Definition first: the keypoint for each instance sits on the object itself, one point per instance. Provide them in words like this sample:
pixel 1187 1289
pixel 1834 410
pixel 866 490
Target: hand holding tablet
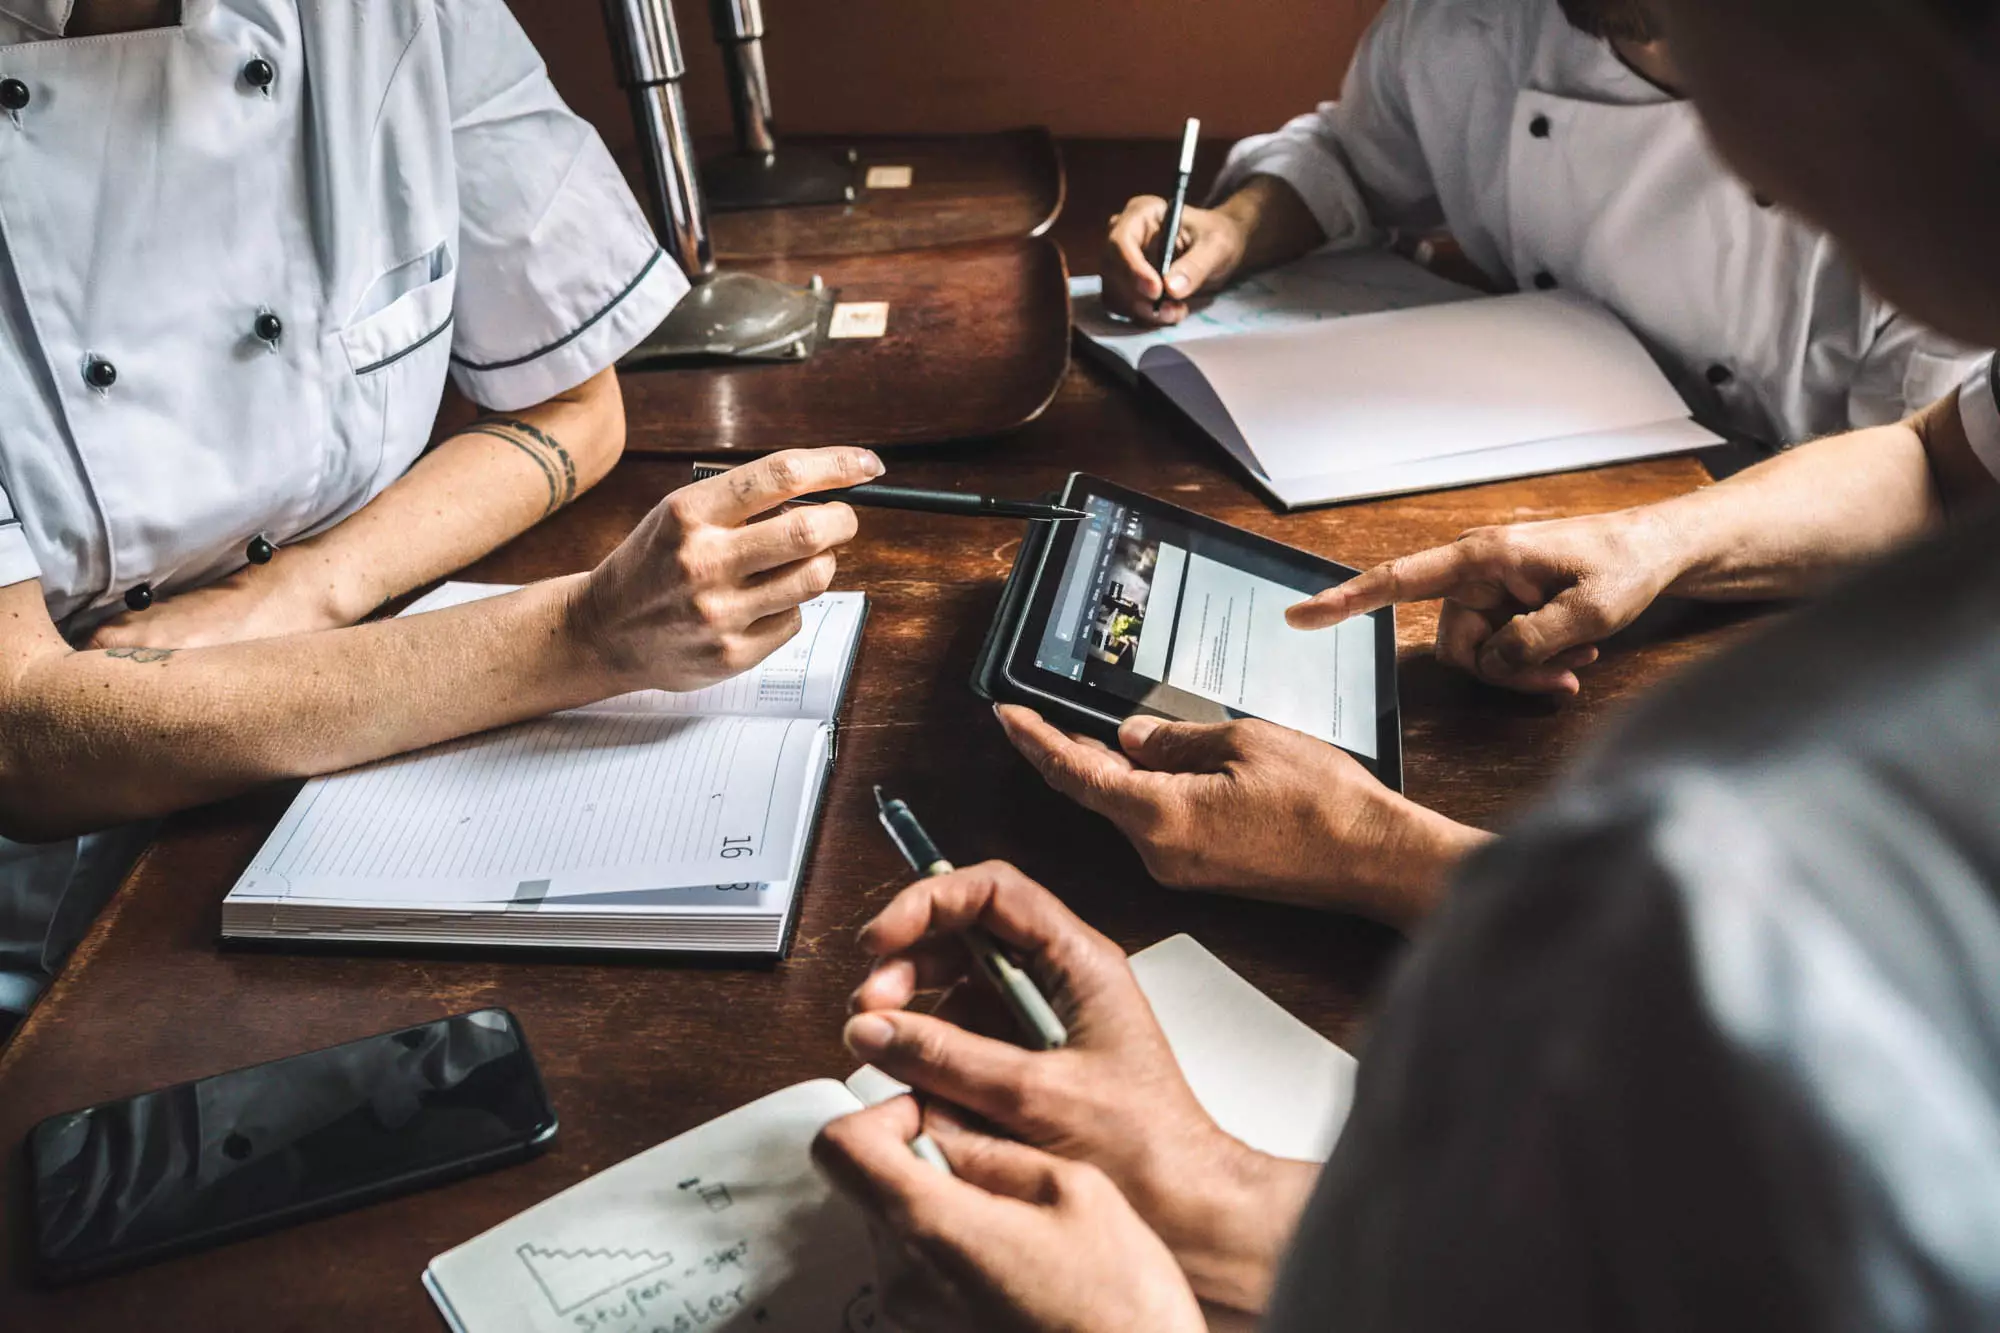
pixel 1143 607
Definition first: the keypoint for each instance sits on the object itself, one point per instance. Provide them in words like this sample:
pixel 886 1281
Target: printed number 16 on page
pixel 735 847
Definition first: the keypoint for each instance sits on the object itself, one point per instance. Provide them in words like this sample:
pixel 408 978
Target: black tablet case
pixel 987 681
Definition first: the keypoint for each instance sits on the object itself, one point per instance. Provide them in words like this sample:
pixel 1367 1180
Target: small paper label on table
pixel 859 319
pixel 890 178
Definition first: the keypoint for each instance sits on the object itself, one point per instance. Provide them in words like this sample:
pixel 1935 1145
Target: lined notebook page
pixel 576 803
pixel 801 679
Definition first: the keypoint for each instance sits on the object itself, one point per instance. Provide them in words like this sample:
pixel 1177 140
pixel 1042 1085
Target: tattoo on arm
pixel 558 469
pixel 141 655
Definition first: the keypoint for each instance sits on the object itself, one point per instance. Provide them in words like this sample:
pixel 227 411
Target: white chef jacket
pixel 1979 409
pixel 1556 165
pixel 395 181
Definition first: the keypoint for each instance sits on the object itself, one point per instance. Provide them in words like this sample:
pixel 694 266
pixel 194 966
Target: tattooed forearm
pixel 141 655
pixel 558 469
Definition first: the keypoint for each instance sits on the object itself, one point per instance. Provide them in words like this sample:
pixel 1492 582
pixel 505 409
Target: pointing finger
pixel 1437 572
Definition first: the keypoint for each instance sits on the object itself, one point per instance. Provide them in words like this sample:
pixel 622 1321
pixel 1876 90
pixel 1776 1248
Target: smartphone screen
pixel 241 1152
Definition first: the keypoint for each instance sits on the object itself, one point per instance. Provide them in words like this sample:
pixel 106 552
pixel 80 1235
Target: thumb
pixel 1177 747
pixel 1208 260
pixel 1570 620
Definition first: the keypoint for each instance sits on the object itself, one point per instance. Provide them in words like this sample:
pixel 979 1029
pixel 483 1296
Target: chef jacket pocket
pixel 399 356
pixel 408 308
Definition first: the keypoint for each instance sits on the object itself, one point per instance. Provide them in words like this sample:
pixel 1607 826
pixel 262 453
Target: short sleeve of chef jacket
pixel 559 271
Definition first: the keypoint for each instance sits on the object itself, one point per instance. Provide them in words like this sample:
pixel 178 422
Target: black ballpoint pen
pixel 929 502
pixel 1177 207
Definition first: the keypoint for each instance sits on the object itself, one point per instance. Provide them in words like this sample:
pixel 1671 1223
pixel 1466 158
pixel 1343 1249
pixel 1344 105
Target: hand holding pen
pixel 1160 251
pixel 1170 234
pixel 1113 1097
pixel 1040 1027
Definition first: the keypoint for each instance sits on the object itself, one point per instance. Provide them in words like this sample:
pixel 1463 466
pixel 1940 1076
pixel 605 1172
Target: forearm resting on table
pixel 485 484
pixel 1792 524
pixel 94 738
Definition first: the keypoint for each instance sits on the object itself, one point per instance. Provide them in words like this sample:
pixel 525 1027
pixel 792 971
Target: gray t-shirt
pixel 1713 1040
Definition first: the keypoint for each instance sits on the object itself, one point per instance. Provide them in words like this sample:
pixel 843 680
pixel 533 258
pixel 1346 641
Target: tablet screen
pixel 1149 606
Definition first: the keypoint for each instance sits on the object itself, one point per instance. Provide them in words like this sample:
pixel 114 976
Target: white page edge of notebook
pixel 1373 390
pixel 1477 467
pixel 1183 382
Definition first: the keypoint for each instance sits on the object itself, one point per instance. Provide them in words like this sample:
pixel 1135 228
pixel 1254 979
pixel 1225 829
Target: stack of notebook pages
pixel 652 821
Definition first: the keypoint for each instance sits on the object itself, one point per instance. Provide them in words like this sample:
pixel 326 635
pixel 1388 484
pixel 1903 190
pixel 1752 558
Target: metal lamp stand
pixel 738 316
pixel 762 173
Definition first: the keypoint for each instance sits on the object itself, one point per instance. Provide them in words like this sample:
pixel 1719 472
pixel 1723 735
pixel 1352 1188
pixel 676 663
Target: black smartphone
pixel 131 1181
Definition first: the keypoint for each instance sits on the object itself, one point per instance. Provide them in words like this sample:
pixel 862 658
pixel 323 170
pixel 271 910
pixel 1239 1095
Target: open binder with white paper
pixel 652 821
pixel 1347 376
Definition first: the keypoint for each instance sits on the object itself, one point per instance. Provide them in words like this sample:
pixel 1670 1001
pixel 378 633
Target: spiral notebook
pixel 652 821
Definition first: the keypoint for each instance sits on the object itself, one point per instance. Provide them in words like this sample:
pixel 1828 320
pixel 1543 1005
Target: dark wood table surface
pixel 637 1051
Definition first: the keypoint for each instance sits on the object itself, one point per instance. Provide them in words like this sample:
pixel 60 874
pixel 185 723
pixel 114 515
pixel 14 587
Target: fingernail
pixel 1136 730
pixel 868 1035
pixel 1177 283
pixel 871 463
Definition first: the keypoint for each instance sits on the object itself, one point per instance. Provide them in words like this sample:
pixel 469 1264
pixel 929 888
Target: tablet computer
pixel 1145 607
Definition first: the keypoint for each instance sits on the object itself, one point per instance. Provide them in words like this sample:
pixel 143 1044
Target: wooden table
pixel 635 1052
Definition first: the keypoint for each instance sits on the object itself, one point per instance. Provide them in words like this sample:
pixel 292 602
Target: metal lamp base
pixel 739 317
pixel 787 177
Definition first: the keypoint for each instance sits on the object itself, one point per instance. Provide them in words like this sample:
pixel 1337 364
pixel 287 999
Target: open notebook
pixel 648 821
pixel 1349 375
pixel 730 1226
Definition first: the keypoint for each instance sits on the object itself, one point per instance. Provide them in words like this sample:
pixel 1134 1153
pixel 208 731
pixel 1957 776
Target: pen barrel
pixel 1032 1012
pixel 1170 234
pixel 911 839
pixel 899 497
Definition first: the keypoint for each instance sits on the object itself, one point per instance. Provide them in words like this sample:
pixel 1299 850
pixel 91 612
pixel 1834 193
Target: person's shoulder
pixel 1454 44
pixel 1502 29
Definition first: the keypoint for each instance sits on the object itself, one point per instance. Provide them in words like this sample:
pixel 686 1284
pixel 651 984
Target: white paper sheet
pixel 1377 390
pixel 1266 1077
pixel 729 1226
pixel 1320 287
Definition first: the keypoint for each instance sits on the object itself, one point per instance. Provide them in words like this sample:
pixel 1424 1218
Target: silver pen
pixel 1031 1009
pixel 1177 206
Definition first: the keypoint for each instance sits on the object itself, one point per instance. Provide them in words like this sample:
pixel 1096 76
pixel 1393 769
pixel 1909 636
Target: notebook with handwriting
pixel 730 1226
pixel 649 821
